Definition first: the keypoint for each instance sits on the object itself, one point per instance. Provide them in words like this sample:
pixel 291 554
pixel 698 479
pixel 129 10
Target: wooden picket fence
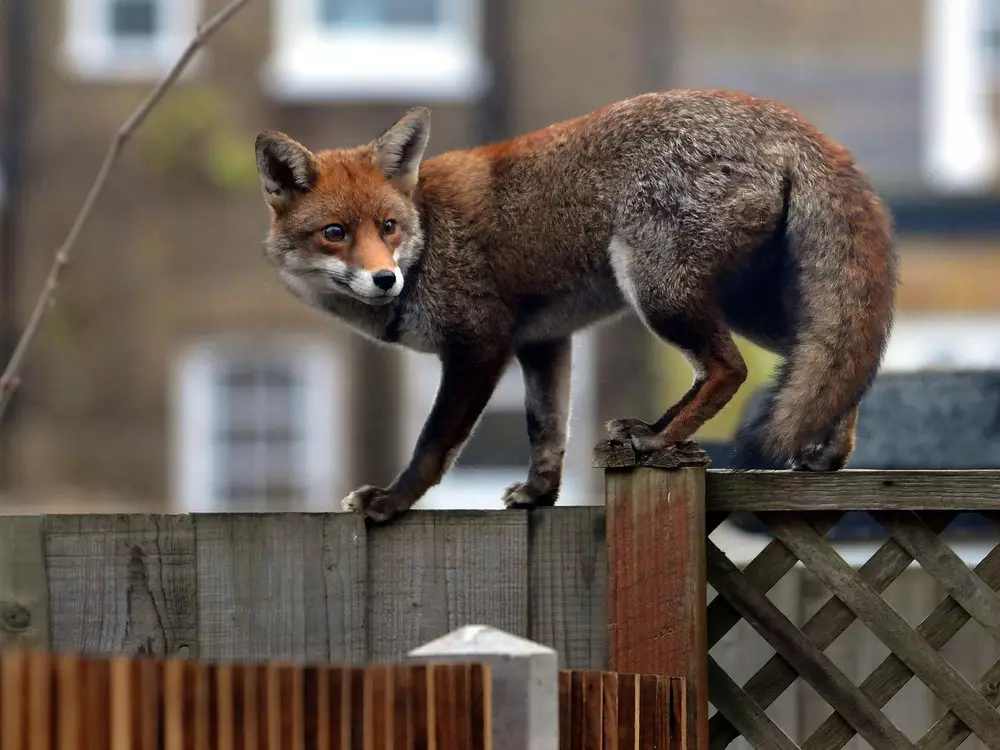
pixel 65 702
pixel 611 711
pixel 71 702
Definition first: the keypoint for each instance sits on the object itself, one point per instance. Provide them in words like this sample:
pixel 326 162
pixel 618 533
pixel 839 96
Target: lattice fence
pixel 913 536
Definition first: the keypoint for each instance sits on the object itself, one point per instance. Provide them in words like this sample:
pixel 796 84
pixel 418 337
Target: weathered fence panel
pixel 303 586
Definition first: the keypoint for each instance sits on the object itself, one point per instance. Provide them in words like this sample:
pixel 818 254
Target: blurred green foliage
pixel 194 133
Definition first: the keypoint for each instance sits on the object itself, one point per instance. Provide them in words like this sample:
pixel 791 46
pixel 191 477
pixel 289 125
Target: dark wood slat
pixel 593 711
pixel 811 663
pixel 647 711
pixel 851 490
pixel 889 677
pixel 763 572
pixel 482 701
pixel 938 559
pixel 887 625
pixel 628 705
pixel 565 707
pixel 744 713
pixel 662 713
pixel 824 627
pixel 609 729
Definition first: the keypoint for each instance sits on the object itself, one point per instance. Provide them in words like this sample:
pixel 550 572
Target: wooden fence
pixel 641 586
pixel 66 702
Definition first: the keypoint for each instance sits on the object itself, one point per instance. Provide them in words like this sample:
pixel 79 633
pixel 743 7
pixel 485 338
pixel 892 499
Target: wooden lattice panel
pixel 67 702
pixel 913 536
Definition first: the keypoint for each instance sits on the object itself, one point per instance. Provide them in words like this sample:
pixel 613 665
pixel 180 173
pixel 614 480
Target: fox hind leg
pixel 546 371
pixel 679 306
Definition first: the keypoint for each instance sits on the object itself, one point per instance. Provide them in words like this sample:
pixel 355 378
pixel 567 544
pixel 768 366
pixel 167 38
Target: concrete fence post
pixel 525 683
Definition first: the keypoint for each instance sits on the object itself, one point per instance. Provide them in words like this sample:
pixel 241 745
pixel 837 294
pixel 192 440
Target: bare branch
pixel 11 374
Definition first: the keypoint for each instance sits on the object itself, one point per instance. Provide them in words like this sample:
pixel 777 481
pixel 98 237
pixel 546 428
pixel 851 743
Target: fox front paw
pixel 522 495
pixel 378 504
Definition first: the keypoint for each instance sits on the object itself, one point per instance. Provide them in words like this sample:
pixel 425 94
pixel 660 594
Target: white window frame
pixel 481 488
pixel 312 62
pixel 327 458
pixel 90 50
pixel 960 133
pixel 918 341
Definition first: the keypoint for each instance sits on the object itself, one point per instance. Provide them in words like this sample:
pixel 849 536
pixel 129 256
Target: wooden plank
pixel 24 594
pixel 121 584
pixel 889 677
pixel 567 580
pixel 609 712
pixel 282 586
pixel 656 580
pixel 482 702
pixel 763 572
pixel 565 708
pixel 938 559
pixel 13 699
pixel 744 713
pixel 949 732
pixel 933 670
pixel 811 663
pixel 852 489
pixel 431 573
pixel 824 627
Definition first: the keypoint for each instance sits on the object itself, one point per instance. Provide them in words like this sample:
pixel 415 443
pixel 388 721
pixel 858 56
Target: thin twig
pixel 11 374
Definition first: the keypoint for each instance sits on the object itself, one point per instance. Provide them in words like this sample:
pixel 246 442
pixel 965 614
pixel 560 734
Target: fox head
pixel 343 221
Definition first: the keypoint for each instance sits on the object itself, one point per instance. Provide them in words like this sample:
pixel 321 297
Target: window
pixel 125 39
pixel 497 453
pixel 960 129
pixel 256 426
pixel 376 49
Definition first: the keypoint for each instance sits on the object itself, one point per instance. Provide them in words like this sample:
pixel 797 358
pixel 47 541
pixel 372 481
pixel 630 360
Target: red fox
pixel 704 212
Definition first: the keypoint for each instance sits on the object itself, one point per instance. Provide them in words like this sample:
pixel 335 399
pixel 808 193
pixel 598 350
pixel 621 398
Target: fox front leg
pixel 546 370
pixel 468 378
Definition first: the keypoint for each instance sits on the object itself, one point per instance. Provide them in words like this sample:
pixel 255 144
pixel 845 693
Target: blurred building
pixel 175 370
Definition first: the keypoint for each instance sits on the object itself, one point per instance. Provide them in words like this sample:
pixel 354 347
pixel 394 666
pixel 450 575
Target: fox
pixel 706 213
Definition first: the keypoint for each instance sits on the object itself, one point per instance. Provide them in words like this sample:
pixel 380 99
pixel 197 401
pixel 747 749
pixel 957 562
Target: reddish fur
pixel 666 203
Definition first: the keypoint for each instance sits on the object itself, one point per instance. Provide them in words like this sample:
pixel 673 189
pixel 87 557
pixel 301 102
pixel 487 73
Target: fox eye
pixel 389 226
pixel 334 233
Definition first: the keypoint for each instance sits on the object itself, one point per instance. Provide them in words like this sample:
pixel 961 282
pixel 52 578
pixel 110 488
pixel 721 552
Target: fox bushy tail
pixel 839 240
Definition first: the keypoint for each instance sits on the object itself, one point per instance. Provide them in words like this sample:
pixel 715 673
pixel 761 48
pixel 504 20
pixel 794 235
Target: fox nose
pixel 384 279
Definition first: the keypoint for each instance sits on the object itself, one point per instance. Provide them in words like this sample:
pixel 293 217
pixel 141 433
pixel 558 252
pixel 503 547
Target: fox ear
pixel 398 151
pixel 286 167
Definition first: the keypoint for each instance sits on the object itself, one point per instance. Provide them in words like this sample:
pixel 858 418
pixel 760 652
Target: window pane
pixel 134 17
pixel 371 13
pixel 259 433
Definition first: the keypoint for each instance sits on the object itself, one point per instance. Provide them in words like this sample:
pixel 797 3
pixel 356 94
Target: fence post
pixel 525 683
pixel 655 511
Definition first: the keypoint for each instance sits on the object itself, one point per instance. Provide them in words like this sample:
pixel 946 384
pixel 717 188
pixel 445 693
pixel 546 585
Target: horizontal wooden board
pixel 852 490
